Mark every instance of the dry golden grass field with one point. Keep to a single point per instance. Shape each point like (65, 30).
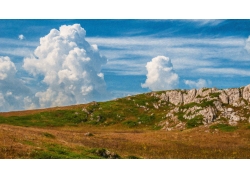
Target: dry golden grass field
(71, 142)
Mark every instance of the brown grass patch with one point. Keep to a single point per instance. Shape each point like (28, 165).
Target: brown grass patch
(20, 142)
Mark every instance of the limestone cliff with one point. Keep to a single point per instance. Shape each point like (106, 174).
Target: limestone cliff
(204, 106)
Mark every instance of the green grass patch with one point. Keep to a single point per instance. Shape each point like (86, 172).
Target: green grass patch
(146, 119)
(224, 127)
(204, 103)
(205, 89)
(156, 127)
(180, 115)
(28, 142)
(195, 122)
(130, 123)
(56, 151)
(213, 95)
(189, 105)
(47, 119)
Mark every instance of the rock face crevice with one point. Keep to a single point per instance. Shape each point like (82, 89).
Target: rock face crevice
(205, 106)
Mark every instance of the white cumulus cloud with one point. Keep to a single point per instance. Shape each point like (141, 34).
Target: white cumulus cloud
(161, 75)
(21, 37)
(200, 83)
(71, 68)
(12, 90)
(7, 68)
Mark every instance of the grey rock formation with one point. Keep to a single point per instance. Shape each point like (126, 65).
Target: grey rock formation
(233, 95)
(228, 105)
(204, 92)
(218, 105)
(246, 93)
(209, 114)
(190, 96)
(175, 97)
(164, 97)
(224, 97)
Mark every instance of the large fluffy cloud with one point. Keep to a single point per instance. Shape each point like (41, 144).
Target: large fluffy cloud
(200, 83)
(161, 75)
(70, 67)
(14, 95)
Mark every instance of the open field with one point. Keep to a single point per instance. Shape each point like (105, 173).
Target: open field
(71, 142)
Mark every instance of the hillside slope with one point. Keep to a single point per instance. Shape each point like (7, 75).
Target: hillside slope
(203, 123)
(169, 110)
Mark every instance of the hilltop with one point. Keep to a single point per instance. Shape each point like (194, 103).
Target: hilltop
(126, 124)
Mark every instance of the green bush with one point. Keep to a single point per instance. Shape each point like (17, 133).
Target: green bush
(195, 122)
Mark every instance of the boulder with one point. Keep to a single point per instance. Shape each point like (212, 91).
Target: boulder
(229, 110)
(175, 97)
(218, 105)
(246, 92)
(190, 96)
(234, 95)
(224, 97)
(204, 92)
(164, 97)
(209, 114)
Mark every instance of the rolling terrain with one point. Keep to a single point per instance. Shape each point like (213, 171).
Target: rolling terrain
(204, 123)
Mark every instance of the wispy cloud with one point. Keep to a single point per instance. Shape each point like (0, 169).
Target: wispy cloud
(224, 71)
(185, 53)
(20, 52)
(15, 42)
(207, 22)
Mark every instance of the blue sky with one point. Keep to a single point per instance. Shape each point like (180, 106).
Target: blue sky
(190, 53)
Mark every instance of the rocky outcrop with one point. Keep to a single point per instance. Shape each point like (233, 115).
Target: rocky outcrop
(209, 114)
(231, 105)
(218, 105)
(233, 95)
(175, 97)
(246, 93)
(190, 96)
(224, 97)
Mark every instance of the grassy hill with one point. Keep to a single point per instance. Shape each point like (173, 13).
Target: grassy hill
(130, 127)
